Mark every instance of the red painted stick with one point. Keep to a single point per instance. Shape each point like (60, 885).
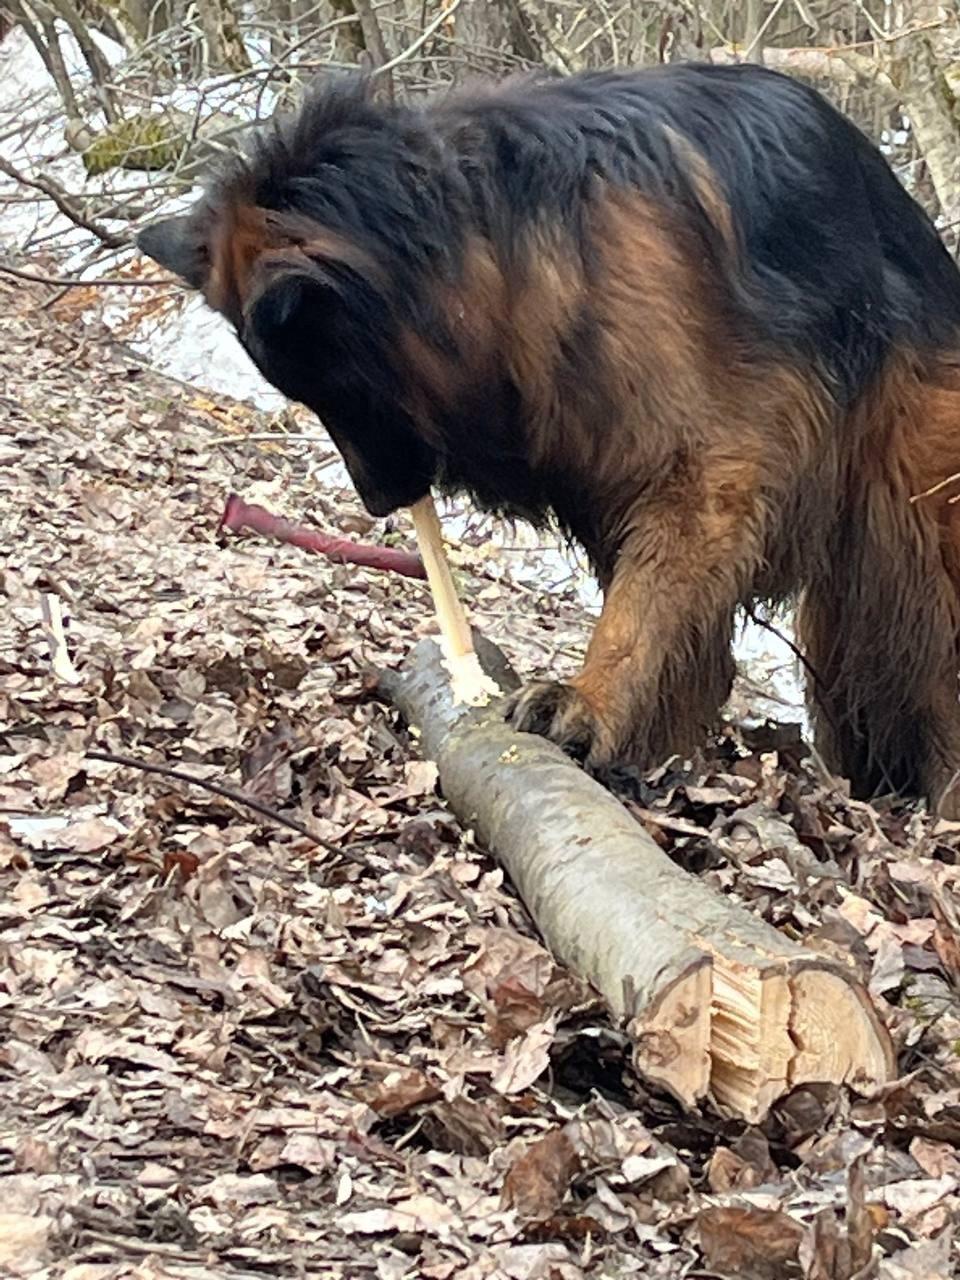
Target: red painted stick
(238, 515)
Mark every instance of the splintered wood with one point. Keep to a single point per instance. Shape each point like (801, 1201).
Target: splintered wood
(780, 1021)
(469, 683)
(717, 1003)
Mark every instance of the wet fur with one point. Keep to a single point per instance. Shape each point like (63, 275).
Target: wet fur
(689, 315)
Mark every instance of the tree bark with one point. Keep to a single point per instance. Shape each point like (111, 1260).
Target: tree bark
(912, 77)
(545, 38)
(929, 104)
(716, 1002)
(149, 17)
(225, 48)
(841, 67)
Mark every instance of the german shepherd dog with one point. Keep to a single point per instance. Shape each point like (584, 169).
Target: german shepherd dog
(689, 315)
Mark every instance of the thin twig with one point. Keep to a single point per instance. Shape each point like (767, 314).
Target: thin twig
(935, 488)
(762, 30)
(226, 793)
(784, 639)
(280, 436)
(804, 661)
(443, 16)
(64, 202)
(73, 282)
(819, 684)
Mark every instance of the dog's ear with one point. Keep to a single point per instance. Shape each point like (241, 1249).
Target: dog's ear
(295, 329)
(321, 334)
(326, 312)
(288, 311)
(176, 245)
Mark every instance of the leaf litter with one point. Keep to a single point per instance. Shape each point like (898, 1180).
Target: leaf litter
(231, 1047)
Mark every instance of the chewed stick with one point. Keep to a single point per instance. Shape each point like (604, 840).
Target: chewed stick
(471, 686)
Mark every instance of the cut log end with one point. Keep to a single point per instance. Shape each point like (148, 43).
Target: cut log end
(747, 1034)
(837, 1032)
(672, 1037)
(771, 1031)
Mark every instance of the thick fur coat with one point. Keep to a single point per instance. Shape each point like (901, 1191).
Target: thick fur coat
(687, 313)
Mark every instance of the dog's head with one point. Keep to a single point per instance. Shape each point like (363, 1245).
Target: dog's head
(311, 299)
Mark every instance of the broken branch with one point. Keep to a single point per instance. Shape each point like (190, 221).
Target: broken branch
(51, 619)
(67, 204)
(225, 793)
(238, 515)
(76, 282)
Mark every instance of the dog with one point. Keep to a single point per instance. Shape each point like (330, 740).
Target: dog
(688, 315)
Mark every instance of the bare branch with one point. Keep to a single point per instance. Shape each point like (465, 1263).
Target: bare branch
(225, 793)
(67, 206)
(74, 282)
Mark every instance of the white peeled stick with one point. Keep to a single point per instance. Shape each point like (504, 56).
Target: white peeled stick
(469, 683)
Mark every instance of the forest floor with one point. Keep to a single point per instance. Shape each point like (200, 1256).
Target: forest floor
(229, 1051)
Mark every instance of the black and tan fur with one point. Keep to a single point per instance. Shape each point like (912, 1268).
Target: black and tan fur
(687, 313)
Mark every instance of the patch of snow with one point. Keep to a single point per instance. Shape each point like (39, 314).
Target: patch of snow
(198, 346)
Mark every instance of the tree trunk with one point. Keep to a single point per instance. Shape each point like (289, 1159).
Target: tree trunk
(931, 107)
(912, 77)
(149, 17)
(481, 27)
(221, 33)
(545, 39)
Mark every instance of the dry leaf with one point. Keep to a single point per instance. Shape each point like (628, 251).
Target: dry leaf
(536, 1262)
(750, 1243)
(914, 1196)
(23, 1242)
(936, 1159)
(309, 1152)
(525, 1059)
(400, 1091)
(88, 835)
(927, 1260)
(418, 1213)
(537, 1182)
(53, 774)
(33, 1155)
(234, 1189)
(513, 1010)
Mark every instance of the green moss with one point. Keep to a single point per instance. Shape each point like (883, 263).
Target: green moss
(145, 142)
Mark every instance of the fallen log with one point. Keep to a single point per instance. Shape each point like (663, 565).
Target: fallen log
(716, 1002)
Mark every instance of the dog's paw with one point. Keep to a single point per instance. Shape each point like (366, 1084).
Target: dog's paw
(561, 713)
